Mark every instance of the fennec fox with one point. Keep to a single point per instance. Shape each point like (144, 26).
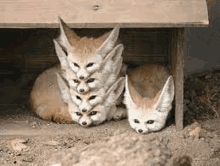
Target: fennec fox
(46, 100)
(106, 110)
(149, 92)
(51, 100)
(104, 77)
(85, 55)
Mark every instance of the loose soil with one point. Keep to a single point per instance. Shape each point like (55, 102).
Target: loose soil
(27, 140)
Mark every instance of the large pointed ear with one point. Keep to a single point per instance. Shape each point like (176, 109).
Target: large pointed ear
(61, 55)
(67, 35)
(109, 43)
(115, 90)
(132, 97)
(166, 95)
(112, 58)
(115, 54)
(118, 66)
(63, 89)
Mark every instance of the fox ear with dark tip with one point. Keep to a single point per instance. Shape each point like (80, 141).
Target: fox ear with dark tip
(64, 90)
(115, 91)
(109, 43)
(67, 35)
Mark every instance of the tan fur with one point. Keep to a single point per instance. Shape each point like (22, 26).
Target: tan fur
(46, 100)
(148, 81)
(149, 92)
(85, 55)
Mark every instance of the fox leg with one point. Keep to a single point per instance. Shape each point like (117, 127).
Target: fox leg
(120, 113)
(57, 115)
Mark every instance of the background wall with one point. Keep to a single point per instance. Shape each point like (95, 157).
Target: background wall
(203, 44)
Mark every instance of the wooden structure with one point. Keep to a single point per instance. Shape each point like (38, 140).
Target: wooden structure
(152, 30)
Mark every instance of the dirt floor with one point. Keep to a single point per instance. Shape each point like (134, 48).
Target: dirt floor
(28, 140)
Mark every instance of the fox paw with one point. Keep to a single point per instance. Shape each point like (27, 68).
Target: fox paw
(120, 114)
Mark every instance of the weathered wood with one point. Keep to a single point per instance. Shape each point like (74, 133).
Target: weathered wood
(103, 14)
(32, 50)
(178, 45)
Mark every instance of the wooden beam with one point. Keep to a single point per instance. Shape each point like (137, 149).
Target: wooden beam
(178, 51)
(103, 14)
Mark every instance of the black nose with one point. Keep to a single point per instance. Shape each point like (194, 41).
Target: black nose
(140, 130)
(84, 110)
(81, 77)
(84, 123)
(81, 90)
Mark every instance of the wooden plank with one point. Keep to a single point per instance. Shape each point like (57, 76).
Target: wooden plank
(178, 45)
(103, 14)
(32, 50)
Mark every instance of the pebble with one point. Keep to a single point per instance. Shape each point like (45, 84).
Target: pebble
(18, 145)
(33, 124)
(196, 132)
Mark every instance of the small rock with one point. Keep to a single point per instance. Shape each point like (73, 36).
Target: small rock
(28, 159)
(52, 143)
(33, 124)
(18, 145)
(202, 139)
(196, 132)
(182, 161)
(208, 76)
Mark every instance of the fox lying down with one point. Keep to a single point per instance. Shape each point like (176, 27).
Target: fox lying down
(149, 92)
(51, 100)
(86, 85)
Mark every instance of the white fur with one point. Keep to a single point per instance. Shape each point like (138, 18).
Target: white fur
(104, 77)
(81, 69)
(139, 112)
(105, 110)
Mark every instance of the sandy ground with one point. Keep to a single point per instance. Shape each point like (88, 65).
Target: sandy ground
(27, 140)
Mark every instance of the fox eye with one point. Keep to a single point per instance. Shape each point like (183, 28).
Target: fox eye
(75, 64)
(150, 122)
(89, 65)
(92, 97)
(136, 121)
(76, 81)
(93, 113)
(78, 98)
(78, 113)
(90, 80)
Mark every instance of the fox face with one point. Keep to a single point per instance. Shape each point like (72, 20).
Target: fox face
(148, 114)
(86, 101)
(105, 76)
(83, 86)
(84, 55)
(99, 112)
(92, 117)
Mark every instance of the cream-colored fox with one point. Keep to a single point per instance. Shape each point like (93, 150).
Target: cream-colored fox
(149, 92)
(85, 55)
(106, 110)
(51, 100)
(104, 77)
(46, 100)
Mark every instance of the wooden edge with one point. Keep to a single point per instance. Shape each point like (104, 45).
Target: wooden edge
(178, 50)
(104, 25)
